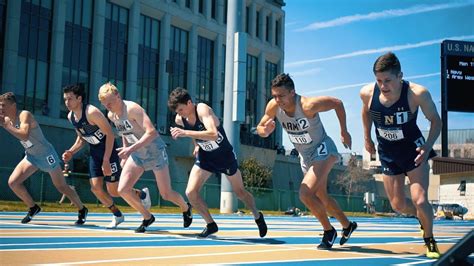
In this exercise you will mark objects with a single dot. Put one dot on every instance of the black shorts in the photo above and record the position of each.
(401, 164)
(95, 167)
(221, 163)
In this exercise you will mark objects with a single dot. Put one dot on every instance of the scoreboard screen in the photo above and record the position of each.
(458, 78)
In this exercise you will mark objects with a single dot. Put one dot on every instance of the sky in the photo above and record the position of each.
(331, 45)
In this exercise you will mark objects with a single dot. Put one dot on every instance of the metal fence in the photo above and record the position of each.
(42, 190)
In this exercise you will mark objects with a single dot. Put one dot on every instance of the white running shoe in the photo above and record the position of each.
(115, 222)
(146, 201)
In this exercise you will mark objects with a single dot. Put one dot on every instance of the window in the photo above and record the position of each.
(148, 65)
(115, 46)
(201, 6)
(77, 46)
(270, 74)
(267, 32)
(205, 73)
(277, 32)
(3, 11)
(177, 64)
(226, 3)
(213, 9)
(188, 3)
(247, 19)
(462, 188)
(257, 32)
(251, 91)
(33, 55)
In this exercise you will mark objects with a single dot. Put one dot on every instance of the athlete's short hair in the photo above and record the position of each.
(77, 89)
(387, 62)
(178, 96)
(283, 80)
(8, 97)
(106, 89)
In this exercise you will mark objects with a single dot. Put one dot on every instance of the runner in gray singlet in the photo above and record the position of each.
(39, 154)
(299, 116)
(143, 150)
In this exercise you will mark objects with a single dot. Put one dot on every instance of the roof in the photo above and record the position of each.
(447, 165)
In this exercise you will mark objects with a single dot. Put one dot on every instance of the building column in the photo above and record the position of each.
(132, 54)
(252, 19)
(10, 56)
(97, 55)
(220, 12)
(207, 9)
(192, 61)
(56, 59)
(271, 30)
(195, 6)
(165, 34)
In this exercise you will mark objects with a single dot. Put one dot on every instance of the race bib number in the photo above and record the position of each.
(113, 167)
(26, 144)
(50, 159)
(91, 139)
(130, 138)
(391, 134)
(303, 138)
(322, 149)
(208, 145)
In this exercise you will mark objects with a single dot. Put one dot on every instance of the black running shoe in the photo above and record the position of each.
(262, 226)
(209, 230)
(145, 224)
(188, 216)
(31, 213)
(82, 216)
(328, 239)
(346, 232)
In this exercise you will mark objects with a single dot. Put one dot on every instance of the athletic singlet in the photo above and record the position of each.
(305, 133)
(90, 133)
(130, 130)
(213, 147)
(395, 126)
(36, 142)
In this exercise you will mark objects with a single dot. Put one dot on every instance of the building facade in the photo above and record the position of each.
(146, 48)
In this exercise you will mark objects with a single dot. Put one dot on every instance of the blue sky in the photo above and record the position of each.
(330, 48)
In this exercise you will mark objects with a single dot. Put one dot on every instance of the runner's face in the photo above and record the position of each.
(71, 101)
(388, 82)
(283, 97)
(184, 110)
(111, 102)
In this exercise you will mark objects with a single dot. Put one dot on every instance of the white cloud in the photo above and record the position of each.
(378, 50)
(381, 15)
(307, 72)
(355, 85)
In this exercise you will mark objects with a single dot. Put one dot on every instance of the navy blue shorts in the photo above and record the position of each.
(95, 167)
(400, 165)
(225, 163)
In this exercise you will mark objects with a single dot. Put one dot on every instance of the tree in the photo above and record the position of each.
(255, 174)
(354, 180)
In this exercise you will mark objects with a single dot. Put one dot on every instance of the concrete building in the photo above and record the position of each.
(145, 47)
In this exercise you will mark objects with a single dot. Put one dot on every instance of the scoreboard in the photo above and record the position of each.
(457, 63)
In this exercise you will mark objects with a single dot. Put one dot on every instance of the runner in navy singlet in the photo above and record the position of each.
(392, 105)
(214, 154)
(92, 127)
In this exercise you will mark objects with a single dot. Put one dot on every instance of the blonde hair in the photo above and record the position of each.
(106, 89)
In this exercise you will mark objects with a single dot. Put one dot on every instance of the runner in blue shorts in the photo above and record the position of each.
(143, 150)
(92, 127)
(392, 105)
(299, 117)
(39, 154)
(214, 154)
